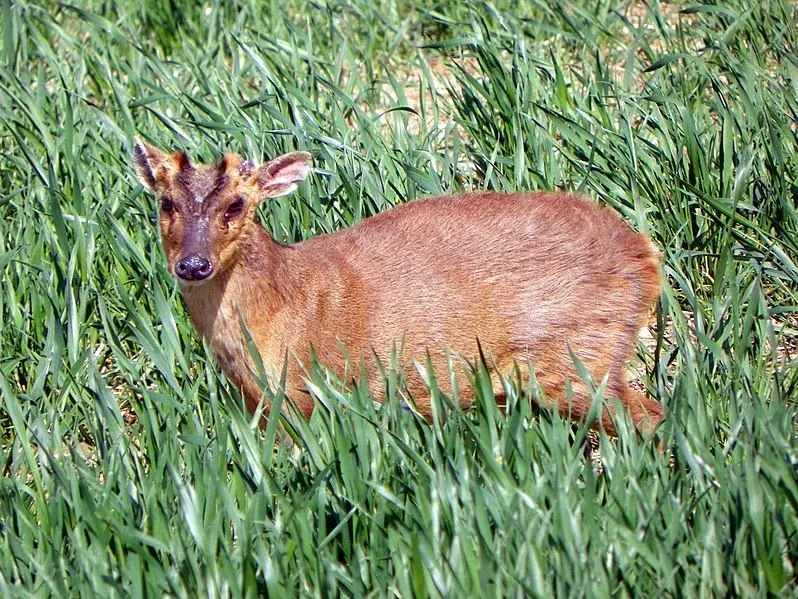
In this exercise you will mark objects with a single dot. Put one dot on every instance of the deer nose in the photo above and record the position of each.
(193, 268)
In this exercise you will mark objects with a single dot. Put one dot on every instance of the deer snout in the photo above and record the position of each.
(193, 268)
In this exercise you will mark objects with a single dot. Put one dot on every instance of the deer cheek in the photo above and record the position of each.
(171, 233)
(169, 222)
(230, 229)
(222, 254)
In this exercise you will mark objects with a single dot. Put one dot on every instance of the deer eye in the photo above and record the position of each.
(167, 205)
(235, 209)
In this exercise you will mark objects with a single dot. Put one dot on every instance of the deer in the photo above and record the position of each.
(549, 279)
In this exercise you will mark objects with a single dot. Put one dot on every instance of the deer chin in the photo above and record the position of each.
(184, 284)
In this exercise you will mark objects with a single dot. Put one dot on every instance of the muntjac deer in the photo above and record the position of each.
(530, 278)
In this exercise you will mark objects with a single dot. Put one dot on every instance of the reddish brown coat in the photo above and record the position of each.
(527, 275)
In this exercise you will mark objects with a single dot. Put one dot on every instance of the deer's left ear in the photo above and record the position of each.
(280, 176)
(148, 160)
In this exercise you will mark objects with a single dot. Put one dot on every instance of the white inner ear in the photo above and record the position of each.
(277, 190)
(290, 174)
(145, 166)
(285, 180)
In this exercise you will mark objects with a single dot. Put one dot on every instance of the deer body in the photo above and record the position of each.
(528, 278)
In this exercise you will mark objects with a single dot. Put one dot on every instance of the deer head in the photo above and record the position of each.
(207, 210)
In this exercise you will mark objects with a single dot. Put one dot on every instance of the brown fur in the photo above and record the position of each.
(528, 276)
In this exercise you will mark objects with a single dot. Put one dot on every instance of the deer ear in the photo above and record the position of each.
(280, 176)
(148, 159)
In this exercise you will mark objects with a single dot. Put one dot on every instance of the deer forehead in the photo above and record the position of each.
(200, 186)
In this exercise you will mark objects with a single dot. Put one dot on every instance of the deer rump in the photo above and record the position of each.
(531, 279)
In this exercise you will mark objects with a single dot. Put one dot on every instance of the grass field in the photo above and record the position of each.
(129, 467)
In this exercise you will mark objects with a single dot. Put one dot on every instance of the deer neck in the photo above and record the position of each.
(252, 289)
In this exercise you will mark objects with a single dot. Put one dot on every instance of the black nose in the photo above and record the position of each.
(193, 268)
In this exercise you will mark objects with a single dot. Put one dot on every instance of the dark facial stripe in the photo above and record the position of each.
(183, 163)
(185, 170)
(222, 179)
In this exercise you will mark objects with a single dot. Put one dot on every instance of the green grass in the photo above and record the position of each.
(129, 468)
